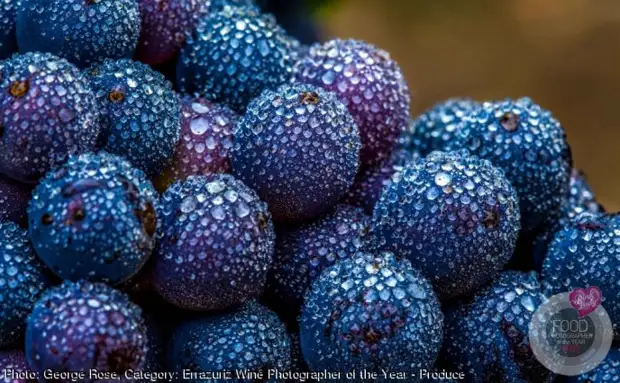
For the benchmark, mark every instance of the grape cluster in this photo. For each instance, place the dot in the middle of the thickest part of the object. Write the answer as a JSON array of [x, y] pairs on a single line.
[[186, 187]]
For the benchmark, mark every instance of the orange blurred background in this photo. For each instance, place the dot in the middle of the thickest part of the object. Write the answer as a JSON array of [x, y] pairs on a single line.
[[564, 54]]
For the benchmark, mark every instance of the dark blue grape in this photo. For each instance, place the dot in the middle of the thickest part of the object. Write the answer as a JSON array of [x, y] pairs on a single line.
[[250, 339], [47, 113], [437, 126], [606, 372], [371, 312], [455, 216], [487, 338], [94, 218], [234, 55], [586, 253], [141, 114], [529, 144], [84, 32]]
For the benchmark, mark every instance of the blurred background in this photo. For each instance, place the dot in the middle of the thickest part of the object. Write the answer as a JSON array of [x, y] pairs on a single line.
[[565, 54]]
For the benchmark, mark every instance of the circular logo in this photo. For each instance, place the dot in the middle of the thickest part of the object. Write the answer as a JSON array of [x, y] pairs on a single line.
[[571, 333]]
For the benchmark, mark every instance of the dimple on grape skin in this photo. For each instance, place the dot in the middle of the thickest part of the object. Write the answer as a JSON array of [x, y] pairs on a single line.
[[298, 147], [80, 326], [22, 280], [586, 252], [141, 114], [84, 32], [234, 55], [454, 216], [165, 24], [369, 83], [302, 253], [206, 138], [94, 218], [47, 114], [487, 337], [373, 312], [250, 339], [216, 245], [530, 145]]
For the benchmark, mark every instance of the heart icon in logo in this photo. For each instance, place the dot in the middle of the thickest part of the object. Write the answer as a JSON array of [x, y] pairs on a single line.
[[585, 301]]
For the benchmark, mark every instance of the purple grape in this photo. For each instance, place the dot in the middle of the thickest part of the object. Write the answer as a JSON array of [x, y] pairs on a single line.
[[47, 112], [304, 252], [216, 246], [165, 25], [83, 326], [298, 147], [206, 138], [370, 84]]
